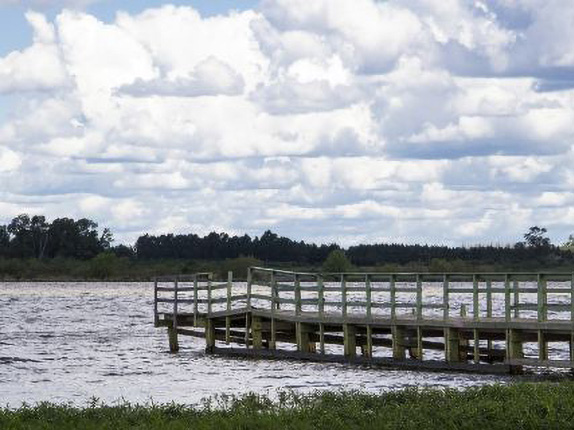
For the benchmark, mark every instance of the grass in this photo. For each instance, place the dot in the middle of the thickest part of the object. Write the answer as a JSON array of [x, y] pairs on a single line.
[[520, 406]]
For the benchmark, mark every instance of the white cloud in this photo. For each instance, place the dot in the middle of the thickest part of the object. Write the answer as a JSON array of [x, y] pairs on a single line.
[[347, 120]]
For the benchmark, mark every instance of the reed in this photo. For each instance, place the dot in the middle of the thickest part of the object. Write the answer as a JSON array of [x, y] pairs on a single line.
[[525, 406]]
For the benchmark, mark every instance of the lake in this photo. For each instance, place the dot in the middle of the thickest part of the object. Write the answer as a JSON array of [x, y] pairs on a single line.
[[70, 342]]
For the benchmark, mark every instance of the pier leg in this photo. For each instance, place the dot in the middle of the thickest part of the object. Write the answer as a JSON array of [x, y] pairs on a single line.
[[398, 340], [322, 338], [209, 335], [256, 332], [303, 338], [350, 340], [542, 346], [453, 346], [476, 346], [514, 349], [367, 349], [227, 330], [273, 340], [173, 341]]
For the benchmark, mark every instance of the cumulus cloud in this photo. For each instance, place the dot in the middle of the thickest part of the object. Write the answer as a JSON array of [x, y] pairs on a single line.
[[210, 77], [346, 120]]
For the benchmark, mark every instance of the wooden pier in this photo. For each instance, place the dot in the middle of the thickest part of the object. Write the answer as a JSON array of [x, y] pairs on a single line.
[[481, 322]]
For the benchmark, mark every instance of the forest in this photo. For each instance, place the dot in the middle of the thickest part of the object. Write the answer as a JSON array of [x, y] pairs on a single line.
[[45, 244]]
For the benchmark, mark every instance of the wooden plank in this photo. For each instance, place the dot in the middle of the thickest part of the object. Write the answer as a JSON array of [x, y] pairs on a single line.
[[475, 303], [393, 289], [343, 296], [419, 292], [507, 297], [297, 295], [227, 330], [195, 302], [368, 352], [229, 289], [476, 346], [350, 340], [369, 295], [321, 296], [516, 293], [398, 339], [445, 296]]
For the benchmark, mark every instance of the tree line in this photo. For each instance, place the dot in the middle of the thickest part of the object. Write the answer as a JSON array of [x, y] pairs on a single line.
[[34, 237]]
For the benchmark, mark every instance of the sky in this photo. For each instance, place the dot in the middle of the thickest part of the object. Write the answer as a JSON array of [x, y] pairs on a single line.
[[349, 121]]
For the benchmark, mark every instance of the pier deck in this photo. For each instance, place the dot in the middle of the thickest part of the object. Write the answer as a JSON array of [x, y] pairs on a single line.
[[496, 322]]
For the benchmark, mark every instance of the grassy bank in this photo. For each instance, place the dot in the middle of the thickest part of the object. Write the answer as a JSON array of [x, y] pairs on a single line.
[[524, 406]]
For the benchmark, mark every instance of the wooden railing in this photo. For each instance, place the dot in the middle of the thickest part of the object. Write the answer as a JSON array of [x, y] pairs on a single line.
[[509, 296]]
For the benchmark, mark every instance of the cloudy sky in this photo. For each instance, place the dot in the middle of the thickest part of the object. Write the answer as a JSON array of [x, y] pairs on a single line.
[[438, 121]]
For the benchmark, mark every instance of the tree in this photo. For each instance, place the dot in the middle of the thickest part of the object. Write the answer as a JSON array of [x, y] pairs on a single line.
[[569, 244], [336, 262], [535, 238]]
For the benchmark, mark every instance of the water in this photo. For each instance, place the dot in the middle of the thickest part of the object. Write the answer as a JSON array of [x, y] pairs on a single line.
[[70, 342]]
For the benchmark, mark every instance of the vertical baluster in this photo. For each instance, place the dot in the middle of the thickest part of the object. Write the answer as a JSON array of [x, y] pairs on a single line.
[[393, 288], [344, 296], [249, 287], [229, 289], [209, 293], [368, 292], [507, 297], [445, 297], [321, 303], [195, 300], [516, 291], [297, 295], [475, 303], [274, 298], [419, 304]]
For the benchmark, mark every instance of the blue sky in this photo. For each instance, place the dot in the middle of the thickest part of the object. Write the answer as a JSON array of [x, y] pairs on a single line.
[[332, 120]]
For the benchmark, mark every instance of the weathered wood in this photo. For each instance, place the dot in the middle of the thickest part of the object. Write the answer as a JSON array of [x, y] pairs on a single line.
[[256, 333], [445, 296], [419, 299], [233, 319], [172, 338], [350, 339], [398, 339], [393, 290]]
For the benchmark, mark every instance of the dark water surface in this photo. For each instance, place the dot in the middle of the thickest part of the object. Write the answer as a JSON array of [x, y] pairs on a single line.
[[69, 342]]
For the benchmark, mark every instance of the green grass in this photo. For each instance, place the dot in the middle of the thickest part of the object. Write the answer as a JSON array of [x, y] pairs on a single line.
[[520, 406]]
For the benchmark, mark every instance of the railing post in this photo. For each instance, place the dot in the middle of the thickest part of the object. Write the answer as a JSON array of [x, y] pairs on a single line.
[[489, 298], [229, 289], [209, 293], [507, 297], [369, 293], [516, 299], [419, 288], [249, 287], [393, 288], [321, 303], [542, 297], [475, 303], [297, 286], [274, 298], [343, 296], [172, 331], [445, 297], [175, 303], [195, 300]]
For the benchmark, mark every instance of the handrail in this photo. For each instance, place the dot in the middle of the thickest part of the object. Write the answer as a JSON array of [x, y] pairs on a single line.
[[524, 294]]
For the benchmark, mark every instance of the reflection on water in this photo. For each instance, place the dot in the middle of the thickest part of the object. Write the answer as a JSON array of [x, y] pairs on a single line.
[[68, 342]]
